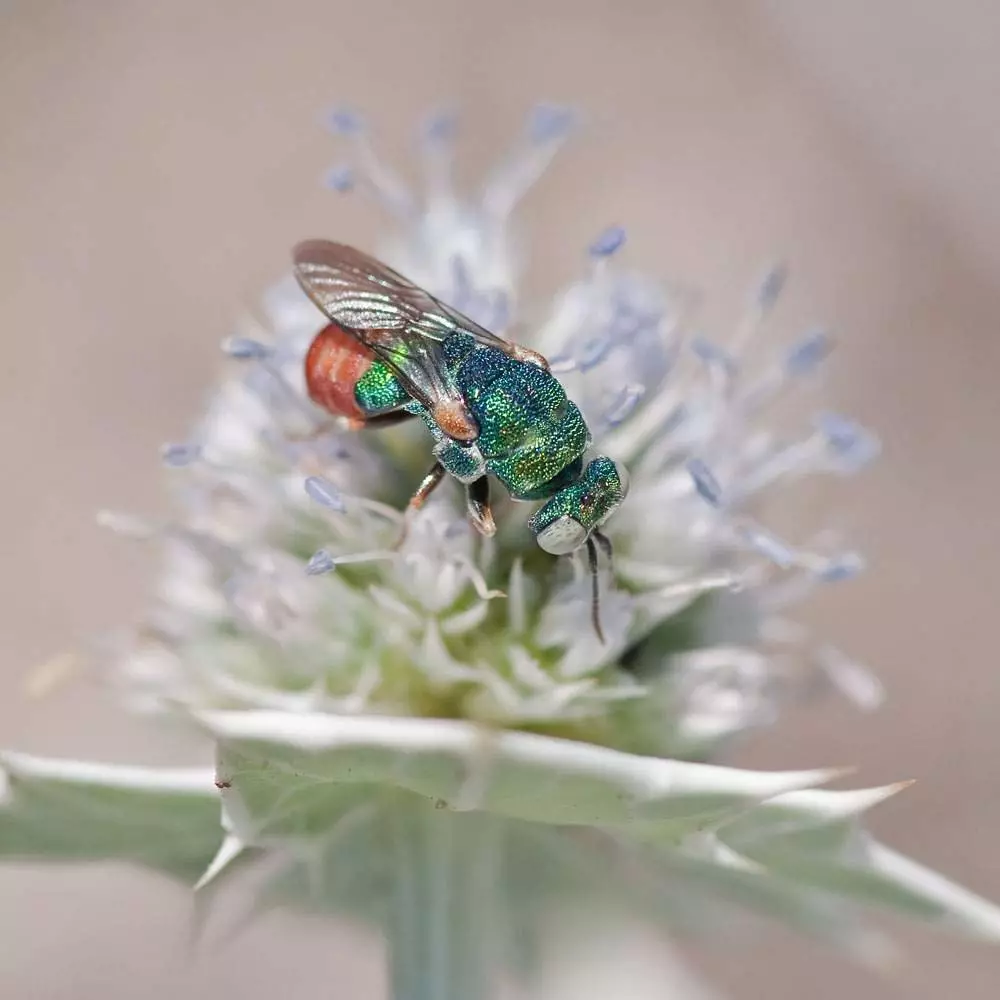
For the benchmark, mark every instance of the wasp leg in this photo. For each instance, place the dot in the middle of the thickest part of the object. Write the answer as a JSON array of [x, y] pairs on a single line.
[[352, 424], [427, 486], [477, 502], [389, 419]]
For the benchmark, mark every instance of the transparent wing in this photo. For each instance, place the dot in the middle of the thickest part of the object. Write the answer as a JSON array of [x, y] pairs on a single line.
[[402, 324]]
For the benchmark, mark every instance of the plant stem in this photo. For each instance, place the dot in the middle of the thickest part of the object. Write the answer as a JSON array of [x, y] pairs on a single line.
[[441, 937]]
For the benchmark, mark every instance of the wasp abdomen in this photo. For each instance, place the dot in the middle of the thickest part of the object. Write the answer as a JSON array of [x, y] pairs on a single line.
[[346, 379], [335, 362]]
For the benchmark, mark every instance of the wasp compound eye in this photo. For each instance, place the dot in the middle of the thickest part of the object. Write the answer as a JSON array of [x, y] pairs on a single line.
[[562, 536]]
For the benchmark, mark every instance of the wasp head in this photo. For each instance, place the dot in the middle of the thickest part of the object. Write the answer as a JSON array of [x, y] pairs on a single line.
[[568, 518]]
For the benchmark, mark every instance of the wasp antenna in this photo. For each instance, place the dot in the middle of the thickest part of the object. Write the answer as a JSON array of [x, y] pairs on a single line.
[[595, 592], [605, 544]]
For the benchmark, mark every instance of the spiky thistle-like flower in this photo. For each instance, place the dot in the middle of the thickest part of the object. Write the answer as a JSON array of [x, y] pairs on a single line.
[[431, 734]]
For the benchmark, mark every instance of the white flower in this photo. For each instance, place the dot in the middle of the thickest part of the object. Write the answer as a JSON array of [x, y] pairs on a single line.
[[454, 688]]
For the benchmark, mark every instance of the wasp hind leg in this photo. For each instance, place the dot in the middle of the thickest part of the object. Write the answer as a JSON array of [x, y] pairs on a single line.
[[427, 486], [477, 503], [341, 423], [388, 419]]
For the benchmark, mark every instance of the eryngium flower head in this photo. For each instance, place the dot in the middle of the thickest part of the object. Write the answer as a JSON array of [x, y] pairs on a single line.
[[285, 585], [370, 700]]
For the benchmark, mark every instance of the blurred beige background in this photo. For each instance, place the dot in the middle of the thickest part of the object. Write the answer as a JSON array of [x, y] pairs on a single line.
[[159, 159]]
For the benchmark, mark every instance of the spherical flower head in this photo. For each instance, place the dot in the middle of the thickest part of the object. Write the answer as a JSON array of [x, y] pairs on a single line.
[[380, 682], [293, 570]]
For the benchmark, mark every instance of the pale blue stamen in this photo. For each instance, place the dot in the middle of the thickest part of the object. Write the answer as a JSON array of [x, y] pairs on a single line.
[[277, 380], [490, 309], [547, 127], [437, 147], [845, 566], [802, 359], [593, 352], [704, 481], [808, 353], [547, 122], [673, 420], [795, 458], [771, 287], [779, 552], [463, 289], [852, 444], [320, 563], [245, 348], [344, 121], [500, 306], [561, 364], [324, 493], [713, 355], [177, 456], [622, 406], [387, 186], [629, 320], [440, 126], [609, 242], [851, 678], [340, 178]]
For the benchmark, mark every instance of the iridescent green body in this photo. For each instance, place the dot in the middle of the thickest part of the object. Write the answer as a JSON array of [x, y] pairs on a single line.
[[531, 436], [588, 501], [492, 406], [379, 390]]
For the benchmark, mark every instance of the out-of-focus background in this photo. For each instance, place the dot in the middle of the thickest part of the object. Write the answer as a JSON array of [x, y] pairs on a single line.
[[159, 159]]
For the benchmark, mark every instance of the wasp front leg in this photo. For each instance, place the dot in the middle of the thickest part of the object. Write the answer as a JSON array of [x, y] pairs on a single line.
[[477, 502], [427, 486]]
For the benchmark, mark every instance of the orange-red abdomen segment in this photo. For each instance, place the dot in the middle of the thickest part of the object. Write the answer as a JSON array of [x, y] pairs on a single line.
[[335, 361]]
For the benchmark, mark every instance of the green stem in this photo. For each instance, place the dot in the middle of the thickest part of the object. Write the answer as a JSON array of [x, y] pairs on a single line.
[[441, 937]]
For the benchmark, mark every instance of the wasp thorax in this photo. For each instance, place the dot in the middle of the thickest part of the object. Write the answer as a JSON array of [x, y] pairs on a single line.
[[565, 522]]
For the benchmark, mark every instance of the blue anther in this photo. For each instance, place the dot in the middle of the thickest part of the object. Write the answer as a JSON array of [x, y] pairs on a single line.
[[324, 493], [549, 121], [177, 456], [771, 286], [851, 443], [441, 126], [339, 178], [344, 121], [845, 566], [608, 242], [807, 353], [704, 481], [320, 563], [245, 348], [623, 405]]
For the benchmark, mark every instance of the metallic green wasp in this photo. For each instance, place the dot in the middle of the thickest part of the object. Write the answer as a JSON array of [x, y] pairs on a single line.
[[393, 351]]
